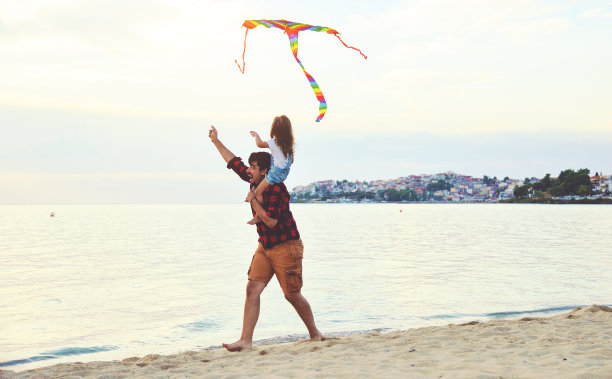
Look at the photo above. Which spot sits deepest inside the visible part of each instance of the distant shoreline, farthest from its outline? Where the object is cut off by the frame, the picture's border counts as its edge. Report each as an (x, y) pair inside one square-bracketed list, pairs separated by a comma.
[(558, 201), (598, 201)]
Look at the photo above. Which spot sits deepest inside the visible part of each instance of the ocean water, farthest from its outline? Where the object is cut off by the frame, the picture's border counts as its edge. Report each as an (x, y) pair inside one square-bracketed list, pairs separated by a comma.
[(105, 282)]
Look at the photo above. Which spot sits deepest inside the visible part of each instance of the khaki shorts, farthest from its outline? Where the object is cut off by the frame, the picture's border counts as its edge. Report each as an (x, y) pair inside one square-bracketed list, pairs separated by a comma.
[(284, 260)]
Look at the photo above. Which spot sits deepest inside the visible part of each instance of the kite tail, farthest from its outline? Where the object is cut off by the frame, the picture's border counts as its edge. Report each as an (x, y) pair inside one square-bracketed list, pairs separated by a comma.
[(350, 47), (293, 40), (243, 51)]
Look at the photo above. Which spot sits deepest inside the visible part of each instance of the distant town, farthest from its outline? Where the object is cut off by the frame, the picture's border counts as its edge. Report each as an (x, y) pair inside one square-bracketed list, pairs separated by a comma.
[(568, 186)]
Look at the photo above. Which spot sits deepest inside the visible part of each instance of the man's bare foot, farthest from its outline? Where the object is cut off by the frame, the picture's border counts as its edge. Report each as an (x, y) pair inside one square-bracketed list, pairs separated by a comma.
[(254, 220), (238, 346), (317, 337)]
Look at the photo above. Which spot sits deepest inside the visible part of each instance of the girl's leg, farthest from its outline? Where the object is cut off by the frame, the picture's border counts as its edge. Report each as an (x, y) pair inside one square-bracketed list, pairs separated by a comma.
[(260, 190), (259, 196)]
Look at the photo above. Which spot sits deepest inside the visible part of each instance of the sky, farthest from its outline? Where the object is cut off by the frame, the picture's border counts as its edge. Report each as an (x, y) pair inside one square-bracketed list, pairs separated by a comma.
[(111, 101)]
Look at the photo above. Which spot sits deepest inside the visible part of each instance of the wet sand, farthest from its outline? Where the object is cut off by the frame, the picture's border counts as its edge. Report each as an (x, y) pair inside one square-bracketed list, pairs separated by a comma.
[(577, 344)]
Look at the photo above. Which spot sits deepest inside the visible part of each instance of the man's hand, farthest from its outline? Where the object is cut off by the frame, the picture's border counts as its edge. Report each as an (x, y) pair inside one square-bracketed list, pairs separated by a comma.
[(212, 134), (250, 196), (259, 210), (225, 153)]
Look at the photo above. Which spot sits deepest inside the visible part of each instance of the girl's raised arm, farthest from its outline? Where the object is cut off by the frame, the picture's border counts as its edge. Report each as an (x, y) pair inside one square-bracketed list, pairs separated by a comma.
[(258, 141)]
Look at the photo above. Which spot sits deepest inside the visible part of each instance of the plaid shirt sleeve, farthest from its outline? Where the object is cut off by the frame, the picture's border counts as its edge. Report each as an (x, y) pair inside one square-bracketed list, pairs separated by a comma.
[(239, 168)]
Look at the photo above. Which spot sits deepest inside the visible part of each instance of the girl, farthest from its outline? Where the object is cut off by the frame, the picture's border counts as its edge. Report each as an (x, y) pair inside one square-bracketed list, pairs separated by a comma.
[(281, 146)]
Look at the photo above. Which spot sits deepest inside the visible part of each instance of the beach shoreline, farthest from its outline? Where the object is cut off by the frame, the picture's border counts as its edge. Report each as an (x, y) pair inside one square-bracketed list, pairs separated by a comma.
[(574, 344)]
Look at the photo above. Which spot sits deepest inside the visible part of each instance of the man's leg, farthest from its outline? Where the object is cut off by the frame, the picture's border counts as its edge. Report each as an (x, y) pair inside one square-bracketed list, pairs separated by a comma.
[(303, 309), (287, 262), (251, 314)]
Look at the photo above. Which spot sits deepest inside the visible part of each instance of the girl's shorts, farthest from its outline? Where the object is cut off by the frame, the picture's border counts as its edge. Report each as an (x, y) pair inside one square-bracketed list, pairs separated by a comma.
[(277, 175)]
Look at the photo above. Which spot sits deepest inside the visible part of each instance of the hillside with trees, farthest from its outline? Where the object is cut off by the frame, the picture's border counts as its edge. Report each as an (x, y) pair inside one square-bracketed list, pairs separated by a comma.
[(568, 185)]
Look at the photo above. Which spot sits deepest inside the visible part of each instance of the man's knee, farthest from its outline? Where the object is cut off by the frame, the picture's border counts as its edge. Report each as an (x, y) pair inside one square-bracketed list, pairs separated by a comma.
[(254, 288), (293, 297)]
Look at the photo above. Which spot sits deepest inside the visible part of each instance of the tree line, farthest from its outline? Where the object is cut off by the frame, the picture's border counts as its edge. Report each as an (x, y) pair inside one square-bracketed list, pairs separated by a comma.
[(569, 183)]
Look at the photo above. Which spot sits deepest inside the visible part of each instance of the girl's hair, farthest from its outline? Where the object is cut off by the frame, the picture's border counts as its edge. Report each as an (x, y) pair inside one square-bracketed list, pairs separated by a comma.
[(283, 135)]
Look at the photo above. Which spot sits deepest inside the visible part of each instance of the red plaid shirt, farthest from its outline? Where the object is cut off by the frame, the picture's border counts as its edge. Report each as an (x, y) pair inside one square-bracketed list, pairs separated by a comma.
[(276, 203)]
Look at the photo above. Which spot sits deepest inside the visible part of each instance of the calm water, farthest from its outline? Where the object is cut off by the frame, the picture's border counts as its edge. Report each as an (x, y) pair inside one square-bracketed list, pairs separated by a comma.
[(109, 282)]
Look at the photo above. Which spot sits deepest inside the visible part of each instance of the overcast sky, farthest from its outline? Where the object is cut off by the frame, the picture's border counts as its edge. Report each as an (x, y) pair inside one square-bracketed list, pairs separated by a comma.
[(111, 101)]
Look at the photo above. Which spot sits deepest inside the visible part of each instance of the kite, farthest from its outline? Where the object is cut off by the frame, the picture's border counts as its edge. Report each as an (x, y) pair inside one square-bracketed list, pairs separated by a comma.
[(292, 29)]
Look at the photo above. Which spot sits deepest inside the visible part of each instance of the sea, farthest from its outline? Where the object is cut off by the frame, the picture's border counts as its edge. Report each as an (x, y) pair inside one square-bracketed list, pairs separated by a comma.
[(105, 282)]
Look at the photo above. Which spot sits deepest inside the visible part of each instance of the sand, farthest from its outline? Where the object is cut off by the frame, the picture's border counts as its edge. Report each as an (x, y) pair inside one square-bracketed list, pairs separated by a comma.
[(577, 344)]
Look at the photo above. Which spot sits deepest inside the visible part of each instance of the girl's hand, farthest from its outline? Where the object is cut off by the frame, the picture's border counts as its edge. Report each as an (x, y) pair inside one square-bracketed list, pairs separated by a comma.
[(258, 142)]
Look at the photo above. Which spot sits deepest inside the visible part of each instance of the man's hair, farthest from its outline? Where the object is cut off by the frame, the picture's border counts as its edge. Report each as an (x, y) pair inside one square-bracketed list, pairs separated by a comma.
[(262, 158)]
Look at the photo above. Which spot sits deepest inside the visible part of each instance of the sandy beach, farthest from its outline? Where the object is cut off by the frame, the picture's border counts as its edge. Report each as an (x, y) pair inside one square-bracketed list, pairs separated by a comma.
[(577, 344)]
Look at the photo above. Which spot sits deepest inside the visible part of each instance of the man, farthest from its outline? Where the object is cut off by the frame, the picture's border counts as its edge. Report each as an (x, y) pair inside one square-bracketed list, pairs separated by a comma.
[(280, 248)]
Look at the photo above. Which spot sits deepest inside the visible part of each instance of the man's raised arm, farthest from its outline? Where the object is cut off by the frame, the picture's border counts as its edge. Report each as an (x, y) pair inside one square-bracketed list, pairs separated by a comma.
[(232, 161), (225, 153)]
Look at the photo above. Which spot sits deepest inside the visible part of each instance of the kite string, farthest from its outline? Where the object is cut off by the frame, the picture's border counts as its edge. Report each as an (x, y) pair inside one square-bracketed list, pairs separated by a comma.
[(243, 51), (350, 47)]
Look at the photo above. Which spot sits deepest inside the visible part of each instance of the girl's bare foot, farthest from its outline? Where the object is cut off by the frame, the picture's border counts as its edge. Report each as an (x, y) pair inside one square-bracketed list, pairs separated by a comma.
[(254, 220)]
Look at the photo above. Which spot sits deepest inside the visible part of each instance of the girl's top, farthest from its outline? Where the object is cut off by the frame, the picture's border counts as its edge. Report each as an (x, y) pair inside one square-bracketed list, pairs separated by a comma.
[(280, 160)]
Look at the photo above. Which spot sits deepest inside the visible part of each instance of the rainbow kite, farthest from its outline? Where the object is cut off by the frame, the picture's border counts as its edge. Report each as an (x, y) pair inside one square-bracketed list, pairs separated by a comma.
[(292, 29)]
